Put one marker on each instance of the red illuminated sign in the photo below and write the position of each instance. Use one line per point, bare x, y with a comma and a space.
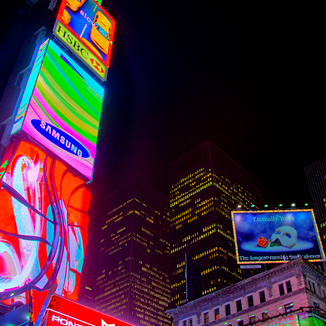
63, 312
88, 31
44, 221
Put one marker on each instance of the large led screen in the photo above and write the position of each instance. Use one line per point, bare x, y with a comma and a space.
62, 109
64, 312
88, 31
44, 221
276, 236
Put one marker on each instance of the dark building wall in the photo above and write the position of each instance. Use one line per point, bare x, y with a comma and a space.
316, 177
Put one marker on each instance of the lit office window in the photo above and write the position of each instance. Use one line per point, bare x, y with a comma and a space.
206, 318
217, 313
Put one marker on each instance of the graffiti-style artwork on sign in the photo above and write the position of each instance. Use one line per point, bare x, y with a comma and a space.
44, 221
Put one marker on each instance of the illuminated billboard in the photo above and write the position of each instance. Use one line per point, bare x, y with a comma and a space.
44, 221
276, 236
88, 31
64, 312
289, 320
61, 108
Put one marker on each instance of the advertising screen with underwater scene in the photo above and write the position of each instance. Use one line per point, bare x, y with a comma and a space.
61, 109
276, 236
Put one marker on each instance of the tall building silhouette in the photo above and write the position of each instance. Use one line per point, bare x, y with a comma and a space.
316, 174
205, 186
133, 266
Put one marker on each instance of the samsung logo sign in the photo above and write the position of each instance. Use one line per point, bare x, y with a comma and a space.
60, 138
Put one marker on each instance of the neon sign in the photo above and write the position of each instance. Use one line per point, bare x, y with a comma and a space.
67, 313
43, 231
88, 31
61, 109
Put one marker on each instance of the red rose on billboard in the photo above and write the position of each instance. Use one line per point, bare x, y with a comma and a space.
262, 242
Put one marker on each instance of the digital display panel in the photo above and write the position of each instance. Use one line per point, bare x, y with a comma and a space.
62, 109
64, 312
88, 31
290, 320
44, 221
276, 236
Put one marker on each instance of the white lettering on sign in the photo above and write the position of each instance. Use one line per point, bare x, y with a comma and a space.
279, 322
64, 321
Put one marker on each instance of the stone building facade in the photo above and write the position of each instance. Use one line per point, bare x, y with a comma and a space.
283, 295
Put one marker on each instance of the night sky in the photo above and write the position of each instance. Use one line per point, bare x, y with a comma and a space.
249, 77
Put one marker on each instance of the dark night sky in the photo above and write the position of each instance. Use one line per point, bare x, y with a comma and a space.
248, 77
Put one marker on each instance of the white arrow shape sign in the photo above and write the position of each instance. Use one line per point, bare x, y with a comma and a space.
105, 324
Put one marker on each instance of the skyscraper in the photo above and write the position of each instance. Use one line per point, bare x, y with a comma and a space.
316, 174
205, 186
132, 278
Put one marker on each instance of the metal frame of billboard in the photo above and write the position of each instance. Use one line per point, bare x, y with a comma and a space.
87, 30
276, 236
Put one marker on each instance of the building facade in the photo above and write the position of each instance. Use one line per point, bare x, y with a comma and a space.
285, 295
133, 267
205, 186
316, 174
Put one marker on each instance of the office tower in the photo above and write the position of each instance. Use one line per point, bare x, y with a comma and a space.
205, 186
132, 279
316, 174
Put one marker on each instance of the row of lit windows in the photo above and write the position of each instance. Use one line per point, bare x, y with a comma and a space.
195, 178
202, 254
209, 270
163, 291
191, 213
149, 301
201, 237
190, 193
142, 311
175, 285
186, 180
152, 295
225, 189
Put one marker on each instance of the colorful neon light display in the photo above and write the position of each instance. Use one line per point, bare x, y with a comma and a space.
43, 231
88, 31
276, 236
61, 108
64, 312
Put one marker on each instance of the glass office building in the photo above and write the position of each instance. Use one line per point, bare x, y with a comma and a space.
205, 186
133, 265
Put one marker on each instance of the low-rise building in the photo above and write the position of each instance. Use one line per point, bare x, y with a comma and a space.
284, 295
